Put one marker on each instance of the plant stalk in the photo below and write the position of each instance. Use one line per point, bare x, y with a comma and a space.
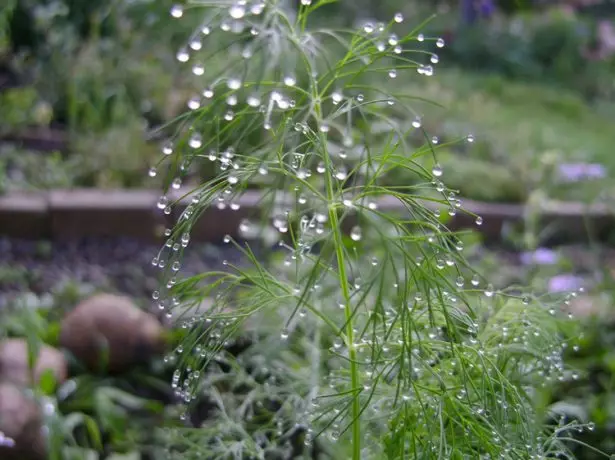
343, 279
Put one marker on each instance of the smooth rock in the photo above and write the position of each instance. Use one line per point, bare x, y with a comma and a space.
108, 332
21, 423
14, 362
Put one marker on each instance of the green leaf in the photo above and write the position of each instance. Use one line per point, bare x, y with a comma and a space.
47, 382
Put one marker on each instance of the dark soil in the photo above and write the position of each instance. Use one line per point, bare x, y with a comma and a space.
119, 264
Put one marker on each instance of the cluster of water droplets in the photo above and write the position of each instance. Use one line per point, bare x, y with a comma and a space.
300, 221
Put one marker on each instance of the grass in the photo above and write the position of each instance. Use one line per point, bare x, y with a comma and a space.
518, 118
522, 131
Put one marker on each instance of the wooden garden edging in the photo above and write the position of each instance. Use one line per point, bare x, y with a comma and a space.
39, 139
81, 213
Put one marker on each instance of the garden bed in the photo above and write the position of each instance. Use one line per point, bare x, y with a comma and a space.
64, 215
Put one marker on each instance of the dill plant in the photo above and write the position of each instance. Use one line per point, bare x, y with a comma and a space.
371, 336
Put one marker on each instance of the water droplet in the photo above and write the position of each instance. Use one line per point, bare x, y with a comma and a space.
398, 18
162, 202
194, 103
253, 101
460, 281
360, 98
233, 83
167, 149
437, 170
392, 73
177, 11
368, 27
290, 80
479, 220
152, 172
470, 138
231, 100
195, 141
440, 43
182, 55
257, 8
416, 123
420, 37
337, 97
393, 40
324, 128
198, 69
205, 30
475, 280
280, 223
355, 233
176, 184
434, 59
341, 173
237, 11
196, 44
245, 226
208, 93
320, 167
489, 291
284, 334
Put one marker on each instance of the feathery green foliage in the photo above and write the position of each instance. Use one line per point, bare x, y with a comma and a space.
372, 337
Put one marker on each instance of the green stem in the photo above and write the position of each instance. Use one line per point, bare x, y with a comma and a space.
344, 285
352, 354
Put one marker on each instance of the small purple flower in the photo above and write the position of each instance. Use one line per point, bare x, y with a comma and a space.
541, 256
487, 8
5, 441
574, 172
565, 283
471, 10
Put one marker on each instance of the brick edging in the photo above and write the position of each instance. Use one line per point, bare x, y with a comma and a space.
77, 213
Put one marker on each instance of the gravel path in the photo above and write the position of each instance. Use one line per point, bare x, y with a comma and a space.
119, 264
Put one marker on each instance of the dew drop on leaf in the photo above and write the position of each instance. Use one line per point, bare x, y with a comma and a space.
177, 11
182, 55
237, 11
